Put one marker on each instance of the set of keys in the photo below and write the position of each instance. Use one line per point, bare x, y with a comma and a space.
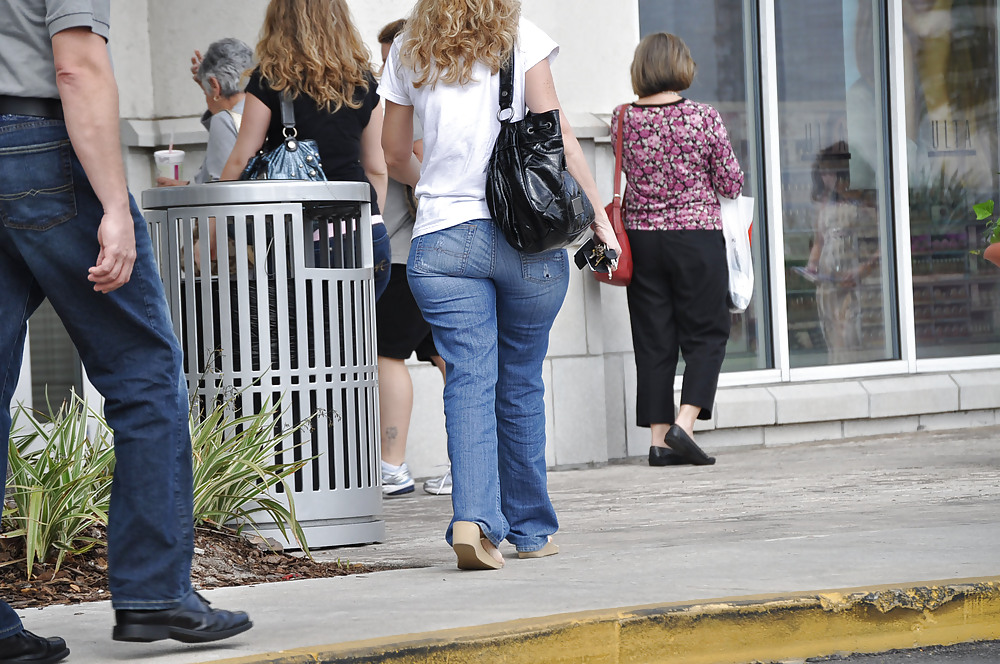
597, 256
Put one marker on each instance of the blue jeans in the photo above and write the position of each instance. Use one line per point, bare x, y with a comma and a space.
48, 240
382, 253
491, 308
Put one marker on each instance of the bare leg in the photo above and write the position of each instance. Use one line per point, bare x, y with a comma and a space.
685, 420
395, 403
657, 431
439, 363
686, 417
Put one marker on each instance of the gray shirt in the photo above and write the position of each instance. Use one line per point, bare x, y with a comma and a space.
397, 216
222, 131
26, 65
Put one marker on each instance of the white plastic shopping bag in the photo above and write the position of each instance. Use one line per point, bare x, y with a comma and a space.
737, 217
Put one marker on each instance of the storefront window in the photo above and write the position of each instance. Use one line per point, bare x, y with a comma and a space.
721, 35
832, 132
951, 104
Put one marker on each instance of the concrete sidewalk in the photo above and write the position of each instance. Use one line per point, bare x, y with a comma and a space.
797, 519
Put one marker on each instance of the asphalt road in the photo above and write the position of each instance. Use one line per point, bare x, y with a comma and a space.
980, 652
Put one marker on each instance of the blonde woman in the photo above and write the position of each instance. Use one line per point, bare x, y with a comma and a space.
312, 50
490, 307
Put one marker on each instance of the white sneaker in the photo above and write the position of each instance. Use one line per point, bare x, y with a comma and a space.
397, 483
439, 486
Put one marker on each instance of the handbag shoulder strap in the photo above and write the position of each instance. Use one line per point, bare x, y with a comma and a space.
619, 139
507, 89
287, 115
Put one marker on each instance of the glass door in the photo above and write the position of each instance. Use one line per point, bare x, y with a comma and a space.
722, 37
950, 71
838, 258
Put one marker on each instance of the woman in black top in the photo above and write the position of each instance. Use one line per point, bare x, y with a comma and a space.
312, 50
339, 135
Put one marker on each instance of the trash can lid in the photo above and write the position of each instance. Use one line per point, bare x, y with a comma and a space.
256, 191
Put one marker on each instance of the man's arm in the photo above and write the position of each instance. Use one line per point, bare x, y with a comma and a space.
90, 103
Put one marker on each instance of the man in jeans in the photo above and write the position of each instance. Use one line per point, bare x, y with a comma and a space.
71, 233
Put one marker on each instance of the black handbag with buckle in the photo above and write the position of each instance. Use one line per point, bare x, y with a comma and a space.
532, 197
294, 159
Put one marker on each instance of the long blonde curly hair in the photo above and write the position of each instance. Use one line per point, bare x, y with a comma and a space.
444, 39
312, 47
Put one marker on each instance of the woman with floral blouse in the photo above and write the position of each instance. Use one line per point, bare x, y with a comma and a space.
677, 158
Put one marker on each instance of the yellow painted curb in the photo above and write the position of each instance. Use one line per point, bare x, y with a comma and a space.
739, 630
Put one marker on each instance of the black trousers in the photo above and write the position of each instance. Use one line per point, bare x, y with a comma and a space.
677, 304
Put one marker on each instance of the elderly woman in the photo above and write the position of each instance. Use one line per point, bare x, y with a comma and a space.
677, 160
219, 74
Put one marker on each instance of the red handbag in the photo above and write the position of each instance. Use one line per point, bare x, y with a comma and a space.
621, 275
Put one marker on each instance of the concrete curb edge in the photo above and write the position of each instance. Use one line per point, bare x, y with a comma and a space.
733, 630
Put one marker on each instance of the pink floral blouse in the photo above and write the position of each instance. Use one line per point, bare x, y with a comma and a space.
675, 158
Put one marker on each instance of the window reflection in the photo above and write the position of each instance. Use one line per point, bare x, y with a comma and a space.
832, 136
717, 33
843, 259
951, 129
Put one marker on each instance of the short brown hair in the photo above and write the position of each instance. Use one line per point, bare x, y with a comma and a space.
662, 63
387, 34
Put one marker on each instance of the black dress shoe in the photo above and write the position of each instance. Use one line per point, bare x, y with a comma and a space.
26, 648
194, 621
664, 456
680, 442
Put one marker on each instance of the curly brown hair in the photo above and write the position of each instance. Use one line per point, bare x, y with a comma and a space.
444, 39
312, 47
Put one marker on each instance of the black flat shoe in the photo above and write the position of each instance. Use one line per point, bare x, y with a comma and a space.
664, 456
194, 621
27, 648
680, 442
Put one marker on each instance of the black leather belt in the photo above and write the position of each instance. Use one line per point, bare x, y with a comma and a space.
37, 106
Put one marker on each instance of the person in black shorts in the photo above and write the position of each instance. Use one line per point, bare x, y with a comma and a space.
402, 331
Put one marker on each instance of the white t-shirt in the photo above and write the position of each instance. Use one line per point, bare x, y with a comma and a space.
460, 128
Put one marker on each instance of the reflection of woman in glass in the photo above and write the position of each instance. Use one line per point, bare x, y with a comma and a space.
836, 263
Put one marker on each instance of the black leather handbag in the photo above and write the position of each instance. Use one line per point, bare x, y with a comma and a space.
292, 160
532, 197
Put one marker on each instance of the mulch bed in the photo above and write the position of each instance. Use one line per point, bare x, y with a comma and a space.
222, 558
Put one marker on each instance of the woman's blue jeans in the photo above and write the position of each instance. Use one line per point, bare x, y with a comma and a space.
491, 308
48, 240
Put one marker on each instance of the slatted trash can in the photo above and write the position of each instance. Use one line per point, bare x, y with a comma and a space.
285, 315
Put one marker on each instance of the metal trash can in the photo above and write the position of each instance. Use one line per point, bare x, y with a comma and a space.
286, 314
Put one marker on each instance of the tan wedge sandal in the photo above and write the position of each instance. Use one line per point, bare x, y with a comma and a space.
470, 547
550, 549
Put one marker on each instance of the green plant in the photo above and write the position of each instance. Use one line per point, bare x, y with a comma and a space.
983, 211
939, 200
60, 484
234, 466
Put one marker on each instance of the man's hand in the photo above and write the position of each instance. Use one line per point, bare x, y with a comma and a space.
114, 263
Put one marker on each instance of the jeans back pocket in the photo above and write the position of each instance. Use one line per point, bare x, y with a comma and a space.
36, 185
444, 252
545, 267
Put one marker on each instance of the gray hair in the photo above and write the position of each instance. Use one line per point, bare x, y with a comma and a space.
226, 60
